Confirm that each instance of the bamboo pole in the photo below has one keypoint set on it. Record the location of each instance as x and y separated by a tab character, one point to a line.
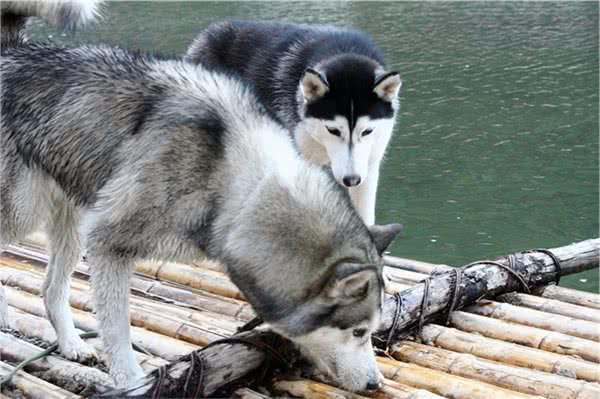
247	393
312	389
157	344
404	276
38	328
33	387
518	379
571	296
444	384
535	318
190	276
317	390
549	341
486	280
551	306
25	259
536	267
509	353
412	265
196	327
38	240
71	376
401	391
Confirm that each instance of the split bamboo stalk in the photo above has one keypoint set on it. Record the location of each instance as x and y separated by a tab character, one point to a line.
71	376
549	341
157	344
535	318
444	384
509	353
551	306
487	280
518	379
571	296
33	387
36	327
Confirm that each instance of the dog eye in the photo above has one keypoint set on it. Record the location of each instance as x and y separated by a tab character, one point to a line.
359	332
367	132
334	131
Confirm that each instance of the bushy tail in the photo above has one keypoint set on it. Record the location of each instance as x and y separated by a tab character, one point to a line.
64	14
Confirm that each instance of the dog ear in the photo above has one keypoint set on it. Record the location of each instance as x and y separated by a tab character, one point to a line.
350	282
387	86
314	85
384	234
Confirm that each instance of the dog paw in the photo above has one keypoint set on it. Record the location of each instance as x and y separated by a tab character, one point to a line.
125	377
75	349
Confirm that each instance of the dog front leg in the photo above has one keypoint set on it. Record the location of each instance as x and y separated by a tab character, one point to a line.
65	252
3	309
110	282
364	196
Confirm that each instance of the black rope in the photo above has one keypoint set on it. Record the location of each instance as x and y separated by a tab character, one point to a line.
398	299
455	293
195	361
557	265
162	372
426	283
508	269
251	325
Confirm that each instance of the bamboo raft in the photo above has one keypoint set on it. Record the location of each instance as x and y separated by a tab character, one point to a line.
467	334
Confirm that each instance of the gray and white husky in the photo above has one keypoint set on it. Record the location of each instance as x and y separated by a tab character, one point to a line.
327	85
138	157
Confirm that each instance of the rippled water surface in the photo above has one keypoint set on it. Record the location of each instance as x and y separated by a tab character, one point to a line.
496	146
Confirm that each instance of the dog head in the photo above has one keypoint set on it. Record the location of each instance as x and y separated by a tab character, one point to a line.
333	325
312	270
348	105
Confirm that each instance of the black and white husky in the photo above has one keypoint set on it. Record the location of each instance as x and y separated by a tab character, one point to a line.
137	157
327	85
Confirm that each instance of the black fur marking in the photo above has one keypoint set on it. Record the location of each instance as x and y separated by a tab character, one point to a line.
273	57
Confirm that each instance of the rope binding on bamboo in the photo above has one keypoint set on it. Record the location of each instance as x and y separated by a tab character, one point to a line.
455	295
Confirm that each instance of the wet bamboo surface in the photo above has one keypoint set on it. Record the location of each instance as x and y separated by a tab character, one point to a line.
544	345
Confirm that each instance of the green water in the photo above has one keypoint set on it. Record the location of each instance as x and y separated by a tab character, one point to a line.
496	146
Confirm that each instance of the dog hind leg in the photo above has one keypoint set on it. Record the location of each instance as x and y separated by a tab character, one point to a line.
24	202
65	252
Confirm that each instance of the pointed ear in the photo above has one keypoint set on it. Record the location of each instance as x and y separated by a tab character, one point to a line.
314	85
384	234
350	282
387	86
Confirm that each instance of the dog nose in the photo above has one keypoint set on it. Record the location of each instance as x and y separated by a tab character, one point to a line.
351	180
373	385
